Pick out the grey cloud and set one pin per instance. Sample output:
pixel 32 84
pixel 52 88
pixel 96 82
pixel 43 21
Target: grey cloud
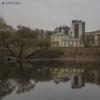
pixel 48 14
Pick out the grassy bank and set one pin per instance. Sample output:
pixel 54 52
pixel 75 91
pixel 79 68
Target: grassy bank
pixel 59 53
pixel 81 53
pixel 85 54
pixel 46 53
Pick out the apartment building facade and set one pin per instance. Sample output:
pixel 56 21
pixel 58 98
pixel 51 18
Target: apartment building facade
pixel 69 37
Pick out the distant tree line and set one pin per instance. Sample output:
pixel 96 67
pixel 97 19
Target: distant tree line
pixel 22 41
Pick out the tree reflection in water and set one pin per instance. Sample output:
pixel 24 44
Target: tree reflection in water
pixel 6 87
pixel 24 76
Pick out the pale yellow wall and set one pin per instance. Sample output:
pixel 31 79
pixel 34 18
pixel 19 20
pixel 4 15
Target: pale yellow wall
pixel 58 40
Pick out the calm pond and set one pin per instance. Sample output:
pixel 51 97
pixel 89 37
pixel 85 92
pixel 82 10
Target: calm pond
pixel 50 80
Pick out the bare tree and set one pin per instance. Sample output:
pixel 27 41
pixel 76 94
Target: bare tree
pixel 24 39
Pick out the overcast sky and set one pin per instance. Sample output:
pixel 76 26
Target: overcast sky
pixel 48 14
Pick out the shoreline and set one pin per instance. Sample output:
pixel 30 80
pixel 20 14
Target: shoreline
pixel 68 59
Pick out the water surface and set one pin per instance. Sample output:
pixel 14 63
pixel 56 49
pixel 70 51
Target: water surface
pixel 50 80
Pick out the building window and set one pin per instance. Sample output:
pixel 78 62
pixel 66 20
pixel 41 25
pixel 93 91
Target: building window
pixel 72 43
pixel 64 43
pixel 76 43
pixel 52 38
pixel 56 44
pixel 76 30
pixel 57 37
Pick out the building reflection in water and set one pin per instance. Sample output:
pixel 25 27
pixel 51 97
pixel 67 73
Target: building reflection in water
pixel 65 74
pixel 24 76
